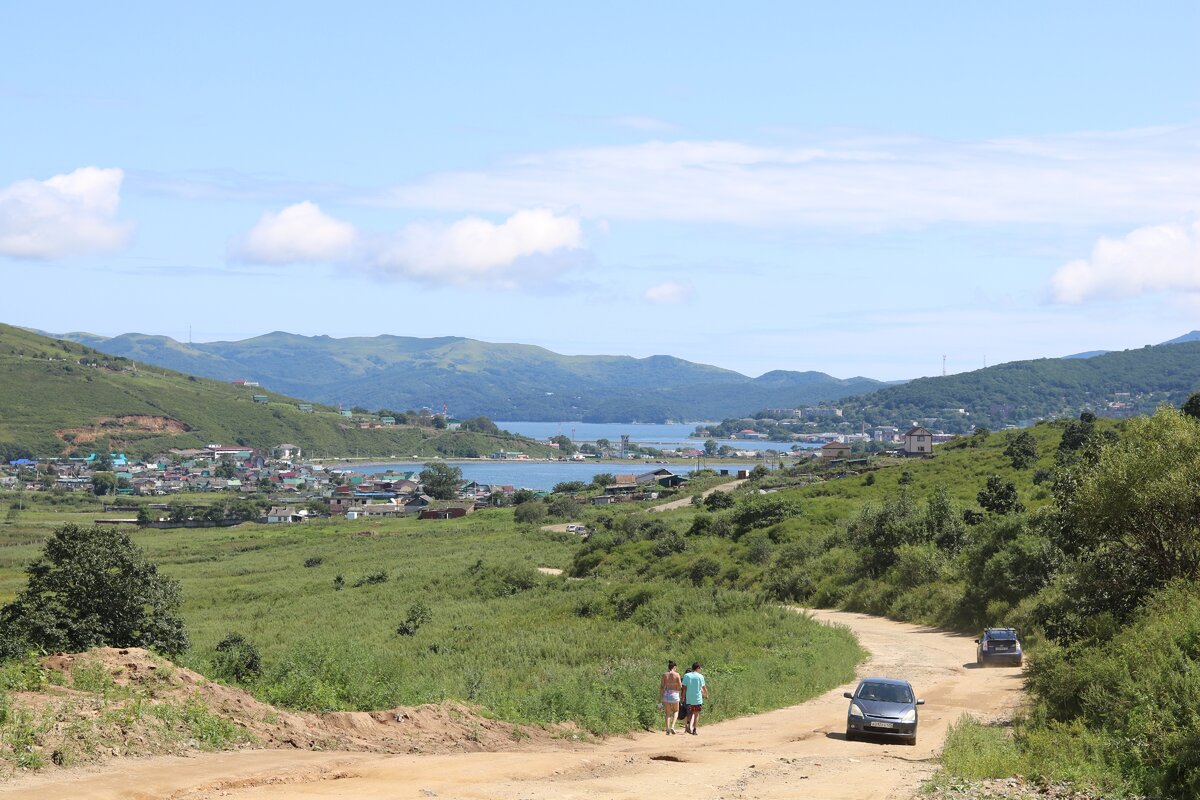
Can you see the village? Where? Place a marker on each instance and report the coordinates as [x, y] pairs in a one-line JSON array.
[[279, 487]]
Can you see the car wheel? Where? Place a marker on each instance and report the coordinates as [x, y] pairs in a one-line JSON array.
[[850, 735], [912, 741]]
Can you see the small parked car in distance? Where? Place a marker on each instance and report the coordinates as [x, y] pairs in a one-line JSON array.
[[999, 646], [884, 707]]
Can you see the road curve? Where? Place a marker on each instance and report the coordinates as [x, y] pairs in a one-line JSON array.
[[793, 752]]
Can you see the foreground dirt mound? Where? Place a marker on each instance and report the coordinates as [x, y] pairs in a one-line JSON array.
[[120, 702]]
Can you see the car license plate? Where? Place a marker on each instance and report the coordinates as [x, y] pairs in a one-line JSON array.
[[883, 725]]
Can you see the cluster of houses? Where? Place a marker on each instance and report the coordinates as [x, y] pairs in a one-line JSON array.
[[207, 469]]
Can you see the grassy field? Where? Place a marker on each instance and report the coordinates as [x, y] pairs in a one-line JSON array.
[[526, 646]]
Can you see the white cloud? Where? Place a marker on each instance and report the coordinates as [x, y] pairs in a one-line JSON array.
[[474, 251], [1122, 178], [299, 233], [66, 215], [1151, 259], [668, 293]]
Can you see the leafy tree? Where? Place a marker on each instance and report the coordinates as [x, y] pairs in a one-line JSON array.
[[602, 479], [226, 468], [143, 516], [711, 447], [1021, 450], [562, 507], [480, 425], [441, 481], [565, 445], [763, 511], [1000, 497], [1132, 519], [439, 423], [530, 513], [104, 483], [759, 472], [719, 500], [93, 587], [570, 487], [1191, 406], [418, 614], [521, 496]]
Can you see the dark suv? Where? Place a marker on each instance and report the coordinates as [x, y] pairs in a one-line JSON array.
[[998, 646]]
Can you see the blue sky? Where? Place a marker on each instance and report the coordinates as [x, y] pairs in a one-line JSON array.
[[858, 190]]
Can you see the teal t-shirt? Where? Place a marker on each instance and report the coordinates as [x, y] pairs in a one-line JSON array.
[[693, 682]]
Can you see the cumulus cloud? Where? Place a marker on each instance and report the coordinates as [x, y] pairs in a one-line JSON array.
[[1151, 259], [668, 293], [70, 214], [299, 233], [842, 181], [474, 251]]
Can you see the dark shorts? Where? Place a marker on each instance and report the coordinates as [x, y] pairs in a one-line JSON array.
[[695, 708]]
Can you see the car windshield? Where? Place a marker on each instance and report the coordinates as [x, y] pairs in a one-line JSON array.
[[885, 692]]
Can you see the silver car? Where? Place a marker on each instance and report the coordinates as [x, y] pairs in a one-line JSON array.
[[883, 707]]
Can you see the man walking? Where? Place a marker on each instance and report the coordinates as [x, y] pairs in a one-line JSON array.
[[695, 691]]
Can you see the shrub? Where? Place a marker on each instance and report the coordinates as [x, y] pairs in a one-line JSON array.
[[719, 500], [237, 658], [315, 561], [418, 614], [372, 579], [530, 513]]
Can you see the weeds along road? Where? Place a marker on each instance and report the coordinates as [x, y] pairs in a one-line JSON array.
[[794, 752]]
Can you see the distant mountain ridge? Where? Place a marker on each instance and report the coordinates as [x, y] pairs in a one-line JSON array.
[[471, 377], [59, 397]]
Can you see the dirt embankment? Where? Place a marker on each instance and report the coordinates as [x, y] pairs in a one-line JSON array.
[[116, 428], [793, 752]]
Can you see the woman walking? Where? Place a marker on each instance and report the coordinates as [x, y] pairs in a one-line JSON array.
[[668, 691]]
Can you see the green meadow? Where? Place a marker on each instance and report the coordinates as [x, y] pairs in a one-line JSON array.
[[330, 606]]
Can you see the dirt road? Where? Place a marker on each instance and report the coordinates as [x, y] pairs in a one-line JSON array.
[[687, 501], [794, 752]]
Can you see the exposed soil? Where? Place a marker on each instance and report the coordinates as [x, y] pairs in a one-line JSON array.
[[687, 501], [793, 752], [114, 427]]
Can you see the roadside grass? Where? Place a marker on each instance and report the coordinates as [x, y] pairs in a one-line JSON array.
[[1043, 755]]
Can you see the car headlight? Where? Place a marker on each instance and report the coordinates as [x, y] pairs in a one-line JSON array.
[[909, 716], [855, 711]]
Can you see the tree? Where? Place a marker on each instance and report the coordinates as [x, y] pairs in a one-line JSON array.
[[565, 445], [530, 513], [1021, 450], [570, 487], [441, 481], [104, 483], [710, 447], [92, 587], [1132, 521], [480, 425], [602, 479], [1000, 497], [719, 500], [226, 468], [1191, 406]]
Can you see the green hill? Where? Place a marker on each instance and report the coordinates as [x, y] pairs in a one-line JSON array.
[[502, 381], [60, 397], [1116, 384]]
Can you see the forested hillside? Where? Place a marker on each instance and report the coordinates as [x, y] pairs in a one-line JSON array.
[[1117, 384], [58, 397]]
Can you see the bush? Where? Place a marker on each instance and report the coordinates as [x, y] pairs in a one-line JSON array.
[[237, 658], [315, 561], [418, 614], [530, 513], [719, 500]]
